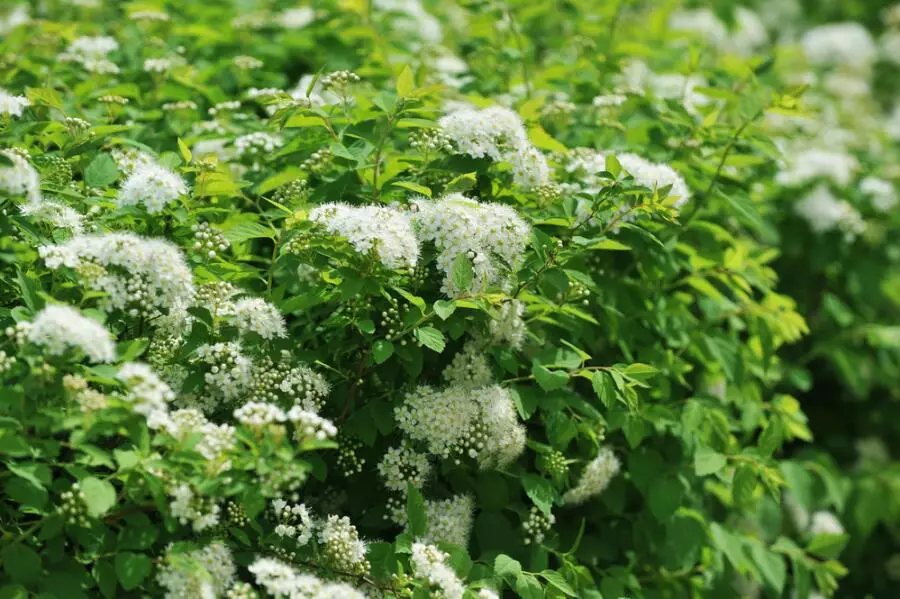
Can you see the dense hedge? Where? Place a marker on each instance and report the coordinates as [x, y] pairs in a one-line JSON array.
[[400, 298]]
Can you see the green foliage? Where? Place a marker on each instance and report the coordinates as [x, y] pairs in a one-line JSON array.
[[586, 346]]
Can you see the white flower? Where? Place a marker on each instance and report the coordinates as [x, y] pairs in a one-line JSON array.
[[656, 176], [702, 22], [187, 507], [146, 391], [53, 213], [58, 328], [504, 435], [91, 53], [259, 142], [309, 425], [889, 44], [181, 577], [509, 327], [281, 580], [825, 213], [160, 65], [675, 86], [881, 192], [296, 18], [469, 368], [499, 134], [847, 44], [229, 370], [343, 549], [15, 17], [385, 230], [449, 521], [257, 414], [216, 442], [429, 563], [253, 314], [411, 20], [130, 159], [446, 421], [403, 465], [294, 521], [492, 237], [19, 178], [824, 522], [153, 186], [141, 275], [595, 477], [817, 163], [300, 385], [12, 105]]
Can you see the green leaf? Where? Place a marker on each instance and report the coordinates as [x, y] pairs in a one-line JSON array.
[[415, 512], [431, 338], [413, 187], [743, 485], [461, 183], [613, 166], [556, 580], [540, 491], [604, 388], [444, 309], [827, 545], [184, 151], [708, 461], [640, 371], [132, 569], [99, 495], [507, 568], [665, 496], [610, 245], [243, 230], [771, 565], [549, 380], [770, 439], [21, 563], [528, 587], [405, 82], [462, 273], [101, 171], [382, 350]]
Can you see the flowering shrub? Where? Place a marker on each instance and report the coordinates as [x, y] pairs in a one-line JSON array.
[[402, 298]]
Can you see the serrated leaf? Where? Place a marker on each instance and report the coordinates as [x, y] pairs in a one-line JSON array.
[[417, 520], [405, 82], [101, 171], [184, 151], [549, 380], [461, 183], [382, 350], [556, 580], [506, 567], [413, 187], [540, 491], [132, 569], [444, 308], [604, 388], [462, 273], [743, 485], [431, 338], [99, 495], [708, 461]]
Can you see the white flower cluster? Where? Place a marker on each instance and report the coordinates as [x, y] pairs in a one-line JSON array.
[[825, 213], [148, 393], [748, 35], [257, 143], [299, 384], [509, 327], [294, 521], [469, 368], [217, 440], [404, 465], [412, 21], [53, 213], [449, 520], [537, 524], [129, 159], [429, 563], [152, 185], [595, 477], [810, 164], [847, 44], [656, 176], [11, 104], [499, 134], [824, 522], [309, 425], [460, 421], [229, 370], [141, 275], [385, 230], [91, 53], [296, 18], [204, 573], [58, 328], [880, 192], [256, 315], [341, 546], [186, 506], [281, 580], [491, 236], [19, 178]]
